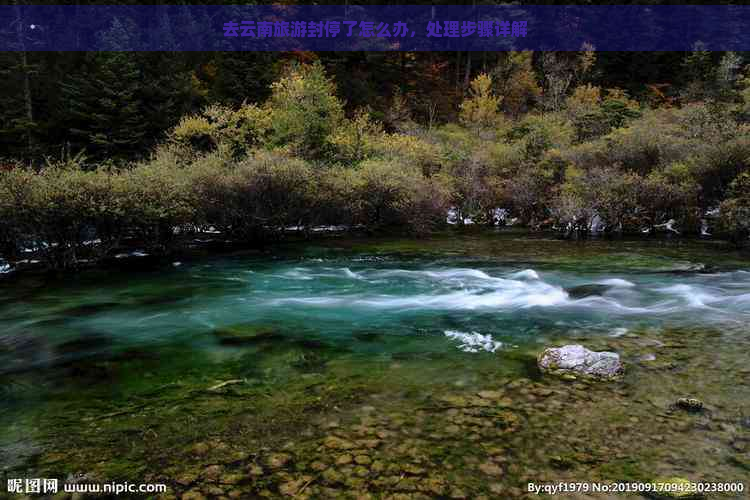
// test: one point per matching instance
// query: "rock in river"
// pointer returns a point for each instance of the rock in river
(578, 361)
(244, 334)
(583, 291)
(692, 405)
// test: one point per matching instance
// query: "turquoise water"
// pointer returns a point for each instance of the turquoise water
(365, 304)
(449, 312)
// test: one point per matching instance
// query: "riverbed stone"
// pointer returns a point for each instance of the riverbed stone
(491, 469)
(212, 472)
(337, 443)
(681, 487)
(193, 495)
(576, 360)
(278, 460)
(692, 405)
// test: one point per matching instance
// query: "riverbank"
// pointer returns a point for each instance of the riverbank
(212, 244)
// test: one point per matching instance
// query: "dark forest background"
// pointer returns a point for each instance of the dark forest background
(119, 105)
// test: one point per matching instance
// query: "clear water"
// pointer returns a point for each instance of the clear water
(449, 309)
(365, 303)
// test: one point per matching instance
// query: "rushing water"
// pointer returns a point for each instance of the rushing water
(419, 304)
(461, 305)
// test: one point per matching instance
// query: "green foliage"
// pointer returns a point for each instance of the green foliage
(516, 83)
(734, 212)
(355, 139)
(253, 171)
(670, 193)
(155, 201)
(305, 111)
(594, 115)
(540, 133)
(607, 192)
(235, 131)
(388, 193)
(57, 210)
(410, 149)
(104, 106)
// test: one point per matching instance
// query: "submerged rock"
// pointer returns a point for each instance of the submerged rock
(244, 334)
(90, 309)
(577, 360)
(583, 291)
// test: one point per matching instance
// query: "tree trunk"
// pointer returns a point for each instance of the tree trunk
(458, 70)
(28, 105)
(467, 75)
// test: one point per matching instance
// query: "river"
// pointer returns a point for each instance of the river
(266, 359)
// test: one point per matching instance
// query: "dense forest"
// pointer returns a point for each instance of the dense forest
(148, 146)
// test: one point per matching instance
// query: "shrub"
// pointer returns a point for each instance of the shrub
(57, 211)
(354, 140)
(606, 191)
(255, 199)
(542, 132)
(409, 149)
(236, 131)
(670, 193)
(156, 203)
(389, 193)
(734, 212)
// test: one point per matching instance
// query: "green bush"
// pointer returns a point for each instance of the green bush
(390, 193)
(539, 133)
(356, 139)
(156, 203)
(256, 198)
(57, 211)
(670, 193)
(608, 192)
(734, 212)
(236, 131)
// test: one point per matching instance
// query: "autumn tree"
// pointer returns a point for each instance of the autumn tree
(479, 111)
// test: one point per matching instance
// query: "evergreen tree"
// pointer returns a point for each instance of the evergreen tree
(104, 107)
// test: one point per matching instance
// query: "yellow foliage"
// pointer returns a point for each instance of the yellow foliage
(480, 110)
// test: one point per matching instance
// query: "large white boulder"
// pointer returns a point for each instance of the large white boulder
(576, 360)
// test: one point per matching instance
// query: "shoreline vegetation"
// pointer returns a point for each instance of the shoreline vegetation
(591, 162)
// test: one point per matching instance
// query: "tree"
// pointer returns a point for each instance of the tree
(516, 82)
(104, 106)
(480, 110)
(305, 110)
(561, 70)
